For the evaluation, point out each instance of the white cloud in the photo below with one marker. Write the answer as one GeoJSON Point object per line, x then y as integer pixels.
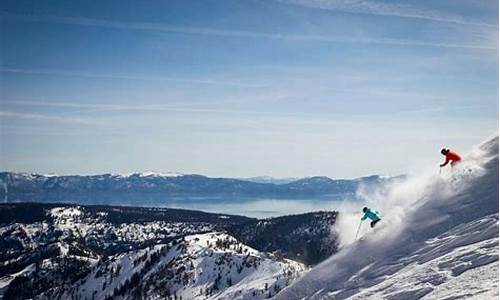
{"type": "Point", "coordinates": [45, 117]}
{"type": "Point", "coordinates": [385, 9]}
{"type": "Point", "coordinates": [124, 76]}
{"type": "Point", "coordinates": [239, 34]}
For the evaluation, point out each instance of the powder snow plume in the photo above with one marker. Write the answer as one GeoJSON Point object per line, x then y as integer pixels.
{"type": "Point", "coordinates": [437, 229]}
{"type": "Point", "coordinates": [400, 198]}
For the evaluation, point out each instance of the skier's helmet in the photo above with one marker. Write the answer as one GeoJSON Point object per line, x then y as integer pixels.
{"type": "Point", "coordinates": [365, 209]}
{"type": "Point", "coordinates": [445, 151]}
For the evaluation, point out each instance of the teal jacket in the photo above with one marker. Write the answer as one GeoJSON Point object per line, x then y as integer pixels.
{"type": "Point", "coordinates": [373, 215]}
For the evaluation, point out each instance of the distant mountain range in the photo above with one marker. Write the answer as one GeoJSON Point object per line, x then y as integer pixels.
{"type": "Point", "coordinates": [154, 187]}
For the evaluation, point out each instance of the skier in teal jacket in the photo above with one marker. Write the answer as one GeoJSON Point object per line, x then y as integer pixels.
{"type": "Point", "coordinates": [372, 215]}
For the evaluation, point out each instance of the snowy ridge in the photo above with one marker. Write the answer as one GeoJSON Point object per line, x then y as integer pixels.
{"type": "Point", "coordinates": [202, 266]}
{"type": "Point", "coordinates": [438, 239]}
{"type": "Point", "coordinates": [85, 252]}
{"type": "Point", "coordinates": [153, 174]}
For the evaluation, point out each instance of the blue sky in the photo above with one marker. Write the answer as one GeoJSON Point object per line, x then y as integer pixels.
{"type": "Point", "coordinates": [245, 88]}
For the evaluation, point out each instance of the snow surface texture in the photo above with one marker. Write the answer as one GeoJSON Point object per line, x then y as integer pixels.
{"type": "Point", "coordinates": [438, 240]}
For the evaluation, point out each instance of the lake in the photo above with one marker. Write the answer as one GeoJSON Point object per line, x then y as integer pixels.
{"type": "Point", "coordinates": [265, 208]}
{"type": "Point", "coordinates": [250, 207]}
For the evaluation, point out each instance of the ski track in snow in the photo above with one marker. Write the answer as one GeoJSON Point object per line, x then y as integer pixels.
{"type": "Point", "coordinates": [439, 240]}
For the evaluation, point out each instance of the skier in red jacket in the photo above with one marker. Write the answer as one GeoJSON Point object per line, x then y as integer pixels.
{"type": "Point", "coordinates": [450, 156]}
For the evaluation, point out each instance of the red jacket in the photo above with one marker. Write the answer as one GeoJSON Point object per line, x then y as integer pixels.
{"type": "Point", "coordinates": [451, 156]}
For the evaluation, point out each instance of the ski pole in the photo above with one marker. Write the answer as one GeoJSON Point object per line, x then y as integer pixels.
{"type": "Point", "coordinates": [357, 231]}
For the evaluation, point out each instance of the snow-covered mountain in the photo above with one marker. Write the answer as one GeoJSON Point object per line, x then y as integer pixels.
{"type": "Point", "coordinates": [201, 266]}
{"type": "Point", "coordinates": [156, 188]}
{"type": "Point", "coordinates": [152, 174]}
{"type": "Point", "coordinates": [438, 240]}
{"type": "Point", "coordinates": [52, 251]}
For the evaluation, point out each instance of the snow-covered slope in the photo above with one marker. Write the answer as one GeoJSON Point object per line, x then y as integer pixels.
{"type": "Point", "coordinates": [203, 266]}
{"type": "Point", "coordinates": [438, 240]}
{"type": "Point", "coordinates": [85, 252]}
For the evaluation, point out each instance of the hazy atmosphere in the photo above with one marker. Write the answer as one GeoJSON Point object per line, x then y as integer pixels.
{"type": "Point", "coordinates": [244, 88]}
